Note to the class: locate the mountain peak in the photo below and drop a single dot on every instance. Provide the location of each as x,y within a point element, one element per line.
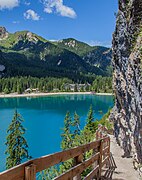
<point>3,33</point>
<point>22,35</point>
<point>70,42</point>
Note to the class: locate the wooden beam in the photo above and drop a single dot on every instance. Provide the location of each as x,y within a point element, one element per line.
<point>78,169</point>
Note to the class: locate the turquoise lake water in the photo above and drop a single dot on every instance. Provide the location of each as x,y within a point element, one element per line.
<point>44,118</point>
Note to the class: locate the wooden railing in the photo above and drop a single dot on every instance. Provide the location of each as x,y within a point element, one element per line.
<point>100,157</point>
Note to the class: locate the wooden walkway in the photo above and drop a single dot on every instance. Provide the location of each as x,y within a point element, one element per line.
<point>99,158</point>
<point>121,168</point>
<point>105,150</point>
<point>125,169</point>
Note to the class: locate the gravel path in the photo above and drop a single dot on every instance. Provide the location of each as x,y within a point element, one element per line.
<point>124,170</point>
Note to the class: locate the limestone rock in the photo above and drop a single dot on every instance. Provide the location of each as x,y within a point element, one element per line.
<point>3,33</point>
<point>127,77</point>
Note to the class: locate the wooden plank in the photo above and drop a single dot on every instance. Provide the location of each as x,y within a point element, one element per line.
<point>56,158</point>
<point>100,158</point>
<point>78,169</point>
<point>17,173</point>
<point>30,172</point>
<point>92,174</point>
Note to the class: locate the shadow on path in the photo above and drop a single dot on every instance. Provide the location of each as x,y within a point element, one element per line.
<point>110,169</point>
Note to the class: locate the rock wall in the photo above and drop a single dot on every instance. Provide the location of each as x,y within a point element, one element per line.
<point>127,77</point>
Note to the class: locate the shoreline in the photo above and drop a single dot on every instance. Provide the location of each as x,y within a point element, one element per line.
<point>50,94</point>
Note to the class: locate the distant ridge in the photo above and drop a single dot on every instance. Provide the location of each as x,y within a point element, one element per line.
<point>24,53</point>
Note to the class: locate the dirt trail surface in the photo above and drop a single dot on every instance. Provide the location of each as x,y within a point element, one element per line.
<point>124,170</point>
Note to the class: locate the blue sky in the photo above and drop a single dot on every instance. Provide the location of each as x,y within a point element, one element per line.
<point>91,21</point>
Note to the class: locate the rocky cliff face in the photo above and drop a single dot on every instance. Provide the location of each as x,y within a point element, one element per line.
<point>3,33</point>
<point>127,65</point>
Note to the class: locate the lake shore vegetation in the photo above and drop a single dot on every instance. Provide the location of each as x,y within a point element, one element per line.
<point>28,85</point>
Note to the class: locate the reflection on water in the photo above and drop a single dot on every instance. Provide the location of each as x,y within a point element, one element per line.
<point>59,102</point>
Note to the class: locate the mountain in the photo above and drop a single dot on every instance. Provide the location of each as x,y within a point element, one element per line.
<point>75,46</point>
<point>24,53</point>
<point>94,55</point>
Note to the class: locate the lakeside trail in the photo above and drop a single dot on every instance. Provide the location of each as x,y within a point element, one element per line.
<point>124,170</point>
<point>48,94</point>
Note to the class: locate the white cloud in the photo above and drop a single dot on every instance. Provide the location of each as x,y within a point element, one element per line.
<point>100,43</point>
<point>27,3</point>
<point>16,22</point>
<point>53,40</point>
<point>8,4</point>
<point>30,14</point>
<point>57,6</point>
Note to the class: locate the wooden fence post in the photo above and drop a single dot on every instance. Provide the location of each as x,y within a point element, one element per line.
<point>97,135</point>
<point>109,146</point>
<point>101,158</point>
<point>95,163</point>
<point>78,160</point>
<point>30,172</point>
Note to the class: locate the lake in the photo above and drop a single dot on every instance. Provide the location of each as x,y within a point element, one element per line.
<point>44,118</point>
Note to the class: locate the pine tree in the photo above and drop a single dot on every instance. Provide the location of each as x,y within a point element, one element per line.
<point>66,135</point>
<point>90,120</point>
<point>76,124</point>
<point>19,89</point>
<point>17,147</point>
<point>67,141</point>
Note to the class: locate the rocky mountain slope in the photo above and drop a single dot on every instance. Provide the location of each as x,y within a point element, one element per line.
<point>127,64</point>
<point>24,53</point>
<point>97,56</point>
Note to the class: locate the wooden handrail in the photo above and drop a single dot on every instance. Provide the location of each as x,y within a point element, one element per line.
<point>79,168</point>
<point>28,170</point>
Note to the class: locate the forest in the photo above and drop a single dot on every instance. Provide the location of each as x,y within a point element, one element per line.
<point>21,84</point>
